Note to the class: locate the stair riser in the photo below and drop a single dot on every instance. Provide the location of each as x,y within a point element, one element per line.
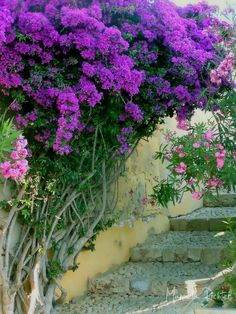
<point>155,287</point>
<point>199,224</point>
<point>224,200</point>
<point>207,256</point>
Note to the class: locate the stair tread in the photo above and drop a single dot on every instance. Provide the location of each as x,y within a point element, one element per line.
<point>187,239</point>
<point>127,304</point>
<point>207,213</point>
<point>222,199</point>
<point>118,304</point>
<point>168,271</point>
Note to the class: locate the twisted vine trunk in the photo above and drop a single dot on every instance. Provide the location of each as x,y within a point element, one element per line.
<point>26,284</point>
<point>7,298</point>
<point>31,269</point>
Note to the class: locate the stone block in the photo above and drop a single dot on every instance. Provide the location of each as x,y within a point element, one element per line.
<point>137,254</point>
<point>178,224</point>
<point>154,254</point>
<point>224,200</point>
<point>158,287</point>
<point>168,254</point>
<point>140,286</point>
<point>198,224</point>
<point>211,256</point>
<point>109,285</point>
<point>181,254</point>
<point>194,254</point>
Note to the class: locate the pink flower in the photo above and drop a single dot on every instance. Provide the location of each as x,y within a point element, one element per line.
<point>168,156</point>
<point>23,153</point>
<point>181,155</point>
<point>206,144</point>
<point>196,196</point>
<point>214,182</point>
<point>215,78</point>
<point>220,158</point>
<point>196,144</point>
<point>208,135</point>
<point>14,155</point>
<point>181,168</point>
<point>190,182</point>
<point>223,71</point>
<point>20,143</point>
<point>18,166</point>
<point>5,169</point>
<point>14,173</point>
<point>23,167</point>
<point>182,125</point>
<point>220,163</point>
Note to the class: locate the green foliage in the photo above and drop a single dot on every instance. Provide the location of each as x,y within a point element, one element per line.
<point>8,135</point>
<point>54,269</point>
<point>164,192</point>
<point>196,151</point>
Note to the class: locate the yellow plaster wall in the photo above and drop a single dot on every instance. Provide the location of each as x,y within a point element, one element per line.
<point>112,248</point>
<point>113,245</point>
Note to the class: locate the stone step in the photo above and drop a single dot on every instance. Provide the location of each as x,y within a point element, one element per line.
<point>154,279</point>
<point>117,304</point>
<point>185,246</point>
<point>207,218</point>
<point>129,304</point>
<point>223,199</point>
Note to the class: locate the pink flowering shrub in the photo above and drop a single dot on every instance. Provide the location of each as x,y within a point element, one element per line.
<point>200,162</point>
<point>13,152</point>
<point>17,166</point>
<point>223,71</point>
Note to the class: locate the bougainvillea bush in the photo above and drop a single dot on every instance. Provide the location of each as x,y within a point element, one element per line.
<point>85,81</point>
<point>75,65</point>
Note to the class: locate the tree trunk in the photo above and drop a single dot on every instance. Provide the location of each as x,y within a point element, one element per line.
<point>7,298</point>
<point>49,297</point>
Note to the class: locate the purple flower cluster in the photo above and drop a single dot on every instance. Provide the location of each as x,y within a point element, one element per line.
<point>174,46</point>
<point>133,111</point>
<point>61,57</point>
<point>70,64</point>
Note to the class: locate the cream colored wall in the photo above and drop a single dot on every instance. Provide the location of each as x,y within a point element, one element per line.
<point>112,246</point>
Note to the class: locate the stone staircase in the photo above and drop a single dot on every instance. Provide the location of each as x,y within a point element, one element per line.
<point>174,265</point>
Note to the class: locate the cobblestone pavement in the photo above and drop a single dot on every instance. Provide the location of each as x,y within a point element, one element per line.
<point>128,305</point>
<point>166,273</point>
